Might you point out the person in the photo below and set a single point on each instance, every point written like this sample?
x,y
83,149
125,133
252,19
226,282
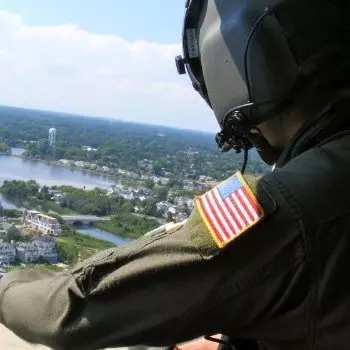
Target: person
x,y
261,261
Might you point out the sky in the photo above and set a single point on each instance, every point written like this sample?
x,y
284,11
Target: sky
x,y
108,58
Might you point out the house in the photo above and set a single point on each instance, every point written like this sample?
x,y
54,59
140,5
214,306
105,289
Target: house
x,y
165,208
4,226
44,223
172,210
46,247
88,149
7,253
161,180
79,164
182,201
180,217
146,165
147,177
205,178
56,195
189,185
142,193
65,161
26,252
40,247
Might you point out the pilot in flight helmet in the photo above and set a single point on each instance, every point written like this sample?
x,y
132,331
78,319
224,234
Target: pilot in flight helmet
x,y
249,58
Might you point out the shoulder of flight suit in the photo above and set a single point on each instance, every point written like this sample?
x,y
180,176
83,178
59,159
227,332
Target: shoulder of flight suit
x,y
318,176
171,286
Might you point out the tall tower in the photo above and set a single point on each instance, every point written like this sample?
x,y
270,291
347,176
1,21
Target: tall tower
x,y
52,137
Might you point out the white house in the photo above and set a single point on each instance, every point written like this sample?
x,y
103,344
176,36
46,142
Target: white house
x,y
27,252
43,223
7,253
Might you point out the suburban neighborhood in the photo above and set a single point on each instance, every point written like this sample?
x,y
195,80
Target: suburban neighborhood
x,y
38,231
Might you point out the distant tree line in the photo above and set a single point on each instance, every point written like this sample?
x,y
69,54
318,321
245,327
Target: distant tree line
x,y
20,189
120,144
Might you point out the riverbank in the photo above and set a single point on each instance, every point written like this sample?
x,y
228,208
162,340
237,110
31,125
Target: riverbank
x,y
128,225
117,178
25,194
120,226
50,174
78,246
73,246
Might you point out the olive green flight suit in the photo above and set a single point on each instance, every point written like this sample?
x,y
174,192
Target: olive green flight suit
x,y
284,282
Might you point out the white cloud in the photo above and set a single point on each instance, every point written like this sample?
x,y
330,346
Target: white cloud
x,y
68,69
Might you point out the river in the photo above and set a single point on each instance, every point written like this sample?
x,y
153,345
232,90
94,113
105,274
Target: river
x,y
15,168
106,236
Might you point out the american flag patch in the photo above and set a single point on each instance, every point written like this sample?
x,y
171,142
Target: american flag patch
x,y
229,209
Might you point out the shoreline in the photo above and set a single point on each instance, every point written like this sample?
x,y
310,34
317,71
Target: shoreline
x,y
72,167
117,179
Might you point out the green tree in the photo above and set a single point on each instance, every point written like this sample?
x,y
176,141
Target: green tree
x,y
161,193
149,183
14,234
42,148
151,208
32,187
59,152
4,147
44,193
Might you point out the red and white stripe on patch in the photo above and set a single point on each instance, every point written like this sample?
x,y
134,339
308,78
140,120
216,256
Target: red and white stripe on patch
x,y
229,209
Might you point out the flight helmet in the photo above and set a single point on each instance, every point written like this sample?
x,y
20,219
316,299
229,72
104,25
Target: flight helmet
x,y
249,58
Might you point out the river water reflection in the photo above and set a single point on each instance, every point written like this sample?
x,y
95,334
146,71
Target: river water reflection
x,y
15,168
106,236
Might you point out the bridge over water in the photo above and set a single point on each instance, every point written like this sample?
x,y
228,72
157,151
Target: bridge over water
x,y
83,219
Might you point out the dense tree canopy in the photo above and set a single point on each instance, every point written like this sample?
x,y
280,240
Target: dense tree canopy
x,y
120,144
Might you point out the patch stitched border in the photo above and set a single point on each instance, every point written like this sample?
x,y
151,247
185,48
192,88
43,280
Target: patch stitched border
x,y
229,209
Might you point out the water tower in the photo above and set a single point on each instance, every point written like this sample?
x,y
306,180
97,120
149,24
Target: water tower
x,y
52,137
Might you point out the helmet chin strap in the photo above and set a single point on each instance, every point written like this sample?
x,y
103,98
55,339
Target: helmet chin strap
x,y
234,135
269,154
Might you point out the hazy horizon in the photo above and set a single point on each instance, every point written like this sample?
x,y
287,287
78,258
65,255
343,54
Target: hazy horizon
x,y
115,59
57,113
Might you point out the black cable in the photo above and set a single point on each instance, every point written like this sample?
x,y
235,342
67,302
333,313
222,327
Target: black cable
x,y
246,49
219,341
250,37
245,162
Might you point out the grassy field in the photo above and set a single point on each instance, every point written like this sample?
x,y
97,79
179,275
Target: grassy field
x,y
78,247
128,225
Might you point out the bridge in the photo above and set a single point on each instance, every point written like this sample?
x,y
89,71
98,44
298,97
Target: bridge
x,y
83,219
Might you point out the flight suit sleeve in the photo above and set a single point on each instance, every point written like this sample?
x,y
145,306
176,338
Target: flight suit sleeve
x,y
162,289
